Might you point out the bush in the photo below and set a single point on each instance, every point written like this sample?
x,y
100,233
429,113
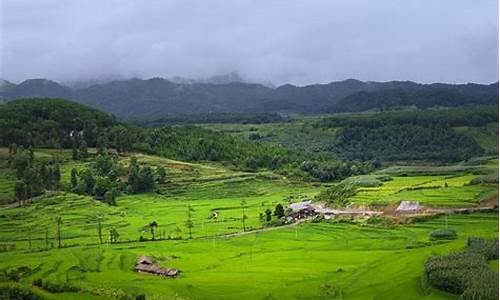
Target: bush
x,y
487,248
466,273
380,221
443,234
14,292
54,287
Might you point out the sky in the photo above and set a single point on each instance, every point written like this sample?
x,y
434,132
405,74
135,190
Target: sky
x,y
297,42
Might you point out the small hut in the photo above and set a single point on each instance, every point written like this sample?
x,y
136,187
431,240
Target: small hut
x,y
145,264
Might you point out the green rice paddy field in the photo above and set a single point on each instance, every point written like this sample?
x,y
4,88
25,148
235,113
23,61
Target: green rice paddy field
x,y
324,260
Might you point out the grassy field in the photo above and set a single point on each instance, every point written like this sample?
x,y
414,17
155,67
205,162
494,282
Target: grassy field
x,y
442,191
310,261
325,260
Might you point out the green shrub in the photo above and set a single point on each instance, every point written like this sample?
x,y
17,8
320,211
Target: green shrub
x,y
443,234
55,287
14,292
466,273
380,221
487,248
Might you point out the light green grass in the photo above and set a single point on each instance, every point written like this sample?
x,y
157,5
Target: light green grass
x,y
291,263
444,191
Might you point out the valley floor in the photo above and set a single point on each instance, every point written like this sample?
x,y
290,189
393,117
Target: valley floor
x,y
330,259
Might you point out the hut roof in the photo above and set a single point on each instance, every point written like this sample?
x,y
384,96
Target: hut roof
x,y
144,260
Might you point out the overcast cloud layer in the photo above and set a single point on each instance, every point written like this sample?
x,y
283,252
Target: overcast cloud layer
x,y
297,42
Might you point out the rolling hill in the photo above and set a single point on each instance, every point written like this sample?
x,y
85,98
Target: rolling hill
x,y
156,97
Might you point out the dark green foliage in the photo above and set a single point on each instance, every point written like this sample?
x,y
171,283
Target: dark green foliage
x,y
15,292
443,234
20,191
336,170
219,118
421,96
338,195
466,273
409,135
55,287
44,122
162,174
487,248
279,211
269,215
74,178
198,144
110,197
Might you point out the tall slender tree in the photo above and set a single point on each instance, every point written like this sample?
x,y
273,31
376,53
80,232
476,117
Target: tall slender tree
x,y
244,217
59,222
189,221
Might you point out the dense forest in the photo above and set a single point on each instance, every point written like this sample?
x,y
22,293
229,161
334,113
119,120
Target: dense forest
x,y
219,118
409,135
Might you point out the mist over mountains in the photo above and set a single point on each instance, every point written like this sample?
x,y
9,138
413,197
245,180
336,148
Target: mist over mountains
x,y
155,97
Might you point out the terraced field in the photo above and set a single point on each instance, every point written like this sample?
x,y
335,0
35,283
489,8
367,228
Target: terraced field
x,y
442,191
323,260
313,261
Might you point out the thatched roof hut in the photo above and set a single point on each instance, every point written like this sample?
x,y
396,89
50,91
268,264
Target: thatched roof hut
x,y
145,264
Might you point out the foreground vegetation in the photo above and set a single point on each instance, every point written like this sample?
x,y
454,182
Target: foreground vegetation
x,y
81,201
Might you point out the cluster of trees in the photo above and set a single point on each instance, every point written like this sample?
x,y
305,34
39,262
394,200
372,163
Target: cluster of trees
x,y
466,273
33,177
232,118
49,123
107,176
86,128
337,170
338,195
452,117
409,135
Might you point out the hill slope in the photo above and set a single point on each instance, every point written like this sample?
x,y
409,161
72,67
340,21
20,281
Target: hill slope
x,y
159,97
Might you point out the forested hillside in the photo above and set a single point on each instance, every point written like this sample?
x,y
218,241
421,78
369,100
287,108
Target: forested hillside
x,y
57,123
410,135
158,97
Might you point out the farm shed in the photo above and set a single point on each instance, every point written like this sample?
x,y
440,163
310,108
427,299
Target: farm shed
x,y
145,264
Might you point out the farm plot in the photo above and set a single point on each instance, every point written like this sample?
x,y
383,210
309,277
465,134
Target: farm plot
x,y
443,191
313,261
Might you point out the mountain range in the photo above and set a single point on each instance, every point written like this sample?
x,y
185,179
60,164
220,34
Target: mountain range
x,y
156,97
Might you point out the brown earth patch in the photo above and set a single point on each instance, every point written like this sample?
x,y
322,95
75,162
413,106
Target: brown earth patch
x,y
489,202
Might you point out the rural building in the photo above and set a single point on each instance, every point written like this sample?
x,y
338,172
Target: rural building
x,y
145,264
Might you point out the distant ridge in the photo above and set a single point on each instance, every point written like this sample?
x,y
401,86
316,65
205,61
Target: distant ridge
x,y
155,97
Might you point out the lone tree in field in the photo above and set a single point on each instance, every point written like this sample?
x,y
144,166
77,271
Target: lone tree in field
x,y
269,215
152,227
243,215
58,235
189,221
74,178
279,211
99,218
113,235
20,191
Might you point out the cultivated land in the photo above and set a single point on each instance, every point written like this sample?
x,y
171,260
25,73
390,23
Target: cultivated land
x,y
344,259
74,219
